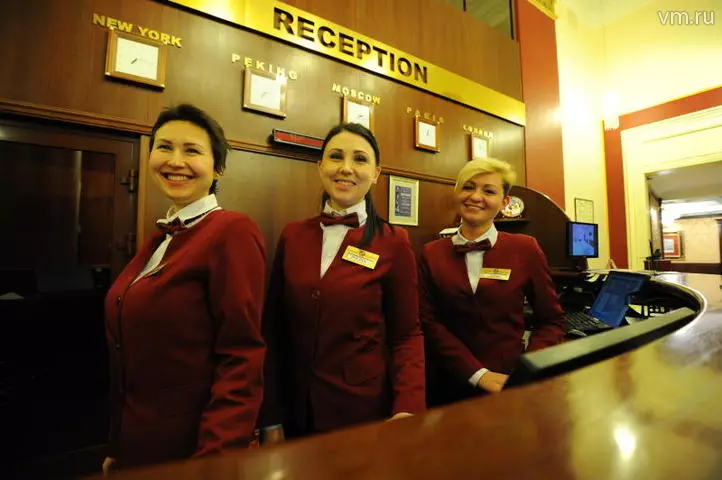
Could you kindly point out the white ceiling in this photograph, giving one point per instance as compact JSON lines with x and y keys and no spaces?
{"x":687,"y":183}
{"x":598,"y":13}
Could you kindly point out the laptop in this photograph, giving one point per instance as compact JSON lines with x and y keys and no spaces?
{"x":610,"y":306}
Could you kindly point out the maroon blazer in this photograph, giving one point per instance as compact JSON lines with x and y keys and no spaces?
{"x":185,"y":344}
{"x":345,"y":348}
{"x":467,"y":331}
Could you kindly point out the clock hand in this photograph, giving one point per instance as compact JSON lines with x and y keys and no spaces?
{"x":135,"y":60}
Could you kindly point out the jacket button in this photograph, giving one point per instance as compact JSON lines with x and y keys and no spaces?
{"x":315,"y":294}
{"x":117,"y":346}
{"x":117,"y":300}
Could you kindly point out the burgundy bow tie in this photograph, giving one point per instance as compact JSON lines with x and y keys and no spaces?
{"x":473,"y":246}
{"x":177,"y":224}
{"x":350,"y":220}
{"x":171,"y":227}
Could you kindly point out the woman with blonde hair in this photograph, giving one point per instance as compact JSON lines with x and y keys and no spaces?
{"x":472,"y":288}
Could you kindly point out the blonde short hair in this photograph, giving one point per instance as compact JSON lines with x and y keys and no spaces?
{"x":486,"y":165}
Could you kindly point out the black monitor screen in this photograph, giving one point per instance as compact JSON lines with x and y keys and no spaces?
{"x":583,"y":240}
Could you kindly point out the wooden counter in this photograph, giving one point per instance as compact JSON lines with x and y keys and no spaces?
{"x":652,"y":413}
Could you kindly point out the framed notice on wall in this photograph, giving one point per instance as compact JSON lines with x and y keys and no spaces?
{"x":403,"y":201}
{"x":672,"y":245}
{"x":583,"y":210}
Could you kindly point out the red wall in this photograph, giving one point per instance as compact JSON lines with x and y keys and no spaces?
{"x":540,"y":85}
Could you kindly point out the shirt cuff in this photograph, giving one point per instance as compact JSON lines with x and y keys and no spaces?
{"x":272,"y":427}
{"x":474,"y":379}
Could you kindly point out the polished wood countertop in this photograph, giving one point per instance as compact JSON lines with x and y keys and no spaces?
{"x":654,"y":412}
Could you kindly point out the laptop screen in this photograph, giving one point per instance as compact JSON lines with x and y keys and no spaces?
{"x":611,"y":304}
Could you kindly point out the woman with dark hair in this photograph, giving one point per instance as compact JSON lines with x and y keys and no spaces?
{"x":341,"y":321}
{"x":183,"y":318}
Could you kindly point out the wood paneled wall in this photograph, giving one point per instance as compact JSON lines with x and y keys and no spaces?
{"x":57,"y":61}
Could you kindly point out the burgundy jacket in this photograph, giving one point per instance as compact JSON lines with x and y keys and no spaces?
{"x":467,"y":331}
{"x":185,"y":344}
{"x":345,"y":348}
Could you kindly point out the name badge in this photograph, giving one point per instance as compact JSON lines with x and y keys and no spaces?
{"x":360,"y":257}
{"x":495,"y":273}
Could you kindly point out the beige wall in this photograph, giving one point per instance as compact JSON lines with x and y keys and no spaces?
{"x":650,"y":63}
{"x":700,"y":240}
{"x":580,"y":52}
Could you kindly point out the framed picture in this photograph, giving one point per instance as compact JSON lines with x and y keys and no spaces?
{"x":426,"y":134}
{"x":264,"y":92}
{"x":583,"y":210}
{"x":403,"y":201}
{"x":135,"y":58}
{"x":357,"y":111}
{"x":479,"y":147}
{"x":672,"y":245}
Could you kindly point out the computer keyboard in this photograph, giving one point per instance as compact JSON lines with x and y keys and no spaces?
{"x":584,"y":322}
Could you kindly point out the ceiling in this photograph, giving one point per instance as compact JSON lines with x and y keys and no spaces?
{"x":598,"y":13}
{"x":689,"y":188}
{"x":688,"y":182}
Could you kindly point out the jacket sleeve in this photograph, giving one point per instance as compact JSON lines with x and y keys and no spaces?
{"x":548,"y":314}
{"x":274,"y":329}
{"x":235,"y":291}
{"x":451,"y":352}
{"x":403,"y":333}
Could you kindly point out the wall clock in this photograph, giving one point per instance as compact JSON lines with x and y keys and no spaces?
{"x":426,"y":134}
{"x":135,"y":58}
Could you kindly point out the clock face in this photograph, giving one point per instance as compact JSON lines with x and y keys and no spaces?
{"x":359,"y":113}
{"x":479,"y":148}
{"x":136,"y":58}
{"x":265,"y":92}
{"x":427,"y":134}
{"x":514,"y":208}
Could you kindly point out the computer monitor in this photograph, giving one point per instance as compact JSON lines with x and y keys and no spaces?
{"x":582,"y":240}
{"x":612,"y":301}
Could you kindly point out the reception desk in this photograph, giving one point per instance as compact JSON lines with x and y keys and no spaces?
{"x":652,"y":412}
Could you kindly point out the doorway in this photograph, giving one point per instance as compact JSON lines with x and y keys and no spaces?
{"x":68,"y":208}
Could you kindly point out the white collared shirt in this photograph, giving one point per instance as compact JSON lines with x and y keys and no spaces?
{"x":200,"y":208}
{"x":475,"y":259}
{"x":474,"y":264}
{"x":333,"y":235}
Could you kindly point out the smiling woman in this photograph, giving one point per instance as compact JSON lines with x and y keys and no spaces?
{"x":472,"y":291}
{"x":183,"y":318}
{"x":342,"y":305}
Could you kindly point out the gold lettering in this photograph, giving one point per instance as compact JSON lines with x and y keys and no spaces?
{"x":125,"y":27}
{"x":98,"y":19}
{"x":377,"y":100}
{"x":417,"y":113}
{"x":248,"y":62}
{"x":176,"y":41}
{"x":111,"y":23}
{"x":292,"y":75}
{"x":426,"y":116}
{"x":235,"y":57}
{"x":368,"y":98}
{"x":260,"y":65}
{"x":408,"y":110}
{"x":353,"y":93}
{"x":153,"y":35}
{"x":143,"y":31}
{"x":280,"y":71}
{"x":270,"y":69}
{"x":336,"y":88}
{"x":441,"y":119}
{"x":165,"y":38}
{"x":345,"y":91}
